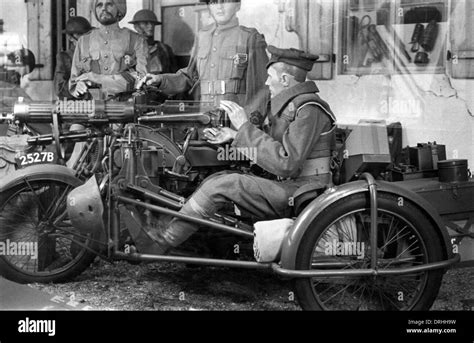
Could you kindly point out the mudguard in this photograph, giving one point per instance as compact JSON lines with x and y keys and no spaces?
{"x":54,"y":172}
{"x":85,"y":207}
{"x":332,"y":195}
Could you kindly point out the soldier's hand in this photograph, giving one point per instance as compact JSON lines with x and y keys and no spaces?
{"x":90,"y":78}
{"x":220,"y":136}
{"x":82,"y":87}
{"x":150,"y":80}
{"x":236,"y":113}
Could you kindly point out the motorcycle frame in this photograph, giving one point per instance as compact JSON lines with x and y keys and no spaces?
{"x":136,"y":181}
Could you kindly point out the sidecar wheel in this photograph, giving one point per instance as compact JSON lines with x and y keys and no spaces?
{"x":341,"y":235}
{"x":37,"y":234}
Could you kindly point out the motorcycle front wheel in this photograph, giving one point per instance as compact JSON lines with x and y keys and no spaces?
{"x":340,"y":238}
{"x":39,"y":243}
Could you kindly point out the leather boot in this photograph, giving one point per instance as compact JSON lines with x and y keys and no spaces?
{"x":179,"y":230}
{"x":147,"y":240}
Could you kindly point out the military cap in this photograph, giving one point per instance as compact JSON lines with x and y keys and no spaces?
{"x":294,"y":57}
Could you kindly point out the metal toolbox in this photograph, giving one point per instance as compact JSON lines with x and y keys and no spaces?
{"x":453,"y":171}
{"x":455,"y":200}
{"x":425,"y":156}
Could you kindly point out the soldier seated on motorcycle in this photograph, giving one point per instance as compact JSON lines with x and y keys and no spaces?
{"x":296,"y":147}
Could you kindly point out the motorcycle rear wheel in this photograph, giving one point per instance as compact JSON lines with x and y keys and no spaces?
{"x":33,"y":218}
{"x":341,"y":234}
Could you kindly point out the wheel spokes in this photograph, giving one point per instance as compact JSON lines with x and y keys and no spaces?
{"x":32,"y":215}
{"x":398,"y":246}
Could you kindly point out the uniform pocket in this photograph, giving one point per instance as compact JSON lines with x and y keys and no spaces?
{"x":86,"y":61}
{"x":233,"y":63}
{"x":202,"y":59}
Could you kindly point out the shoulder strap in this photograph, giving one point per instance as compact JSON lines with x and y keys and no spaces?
{"x":86,"y":43}
{"x":325,"y":110}
{"x":133,"y":38}
{"x":242,"y":45}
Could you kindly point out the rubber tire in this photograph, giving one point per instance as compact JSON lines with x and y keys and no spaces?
{"x":389,"y":202}
{"x":13,"y":274}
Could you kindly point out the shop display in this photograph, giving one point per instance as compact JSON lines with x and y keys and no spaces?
{"x":387,"y":38}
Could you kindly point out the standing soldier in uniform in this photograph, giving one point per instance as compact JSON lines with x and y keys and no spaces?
{"x":296,"y":148}
{"x":227,"y":62}
{"x":160,"y":56}
{"x":112,"y":57}
{"x":75,"y":28}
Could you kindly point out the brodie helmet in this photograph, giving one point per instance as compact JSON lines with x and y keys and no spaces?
{"x":22,"y":58}
{"x":145,"y":16}
{"x":78,"y":25}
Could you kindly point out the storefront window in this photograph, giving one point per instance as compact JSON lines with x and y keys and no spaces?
{"x":13,"y":30}
{"x":394,"y":37}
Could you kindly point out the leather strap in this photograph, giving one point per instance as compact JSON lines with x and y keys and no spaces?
{"x":56,"y":134}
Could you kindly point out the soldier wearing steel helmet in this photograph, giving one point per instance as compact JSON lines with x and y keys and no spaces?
{"x":109,"y":56}
{"x":227,"y":61}
{"x":296,"y":147}
{"x":75,"y":28}
{"x":161,"y":58}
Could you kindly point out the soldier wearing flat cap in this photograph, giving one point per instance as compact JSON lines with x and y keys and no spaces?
{"x":227,"y":62}
{"x":295,"y":147}
{"x":109,"y":56}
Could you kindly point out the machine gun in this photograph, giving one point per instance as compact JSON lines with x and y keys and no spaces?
{"x":102,"y":113}
{"x":95,"y":112}
{"x":162,"y":152}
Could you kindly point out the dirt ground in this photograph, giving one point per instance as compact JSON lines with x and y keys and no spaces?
{"x":175,"y":287}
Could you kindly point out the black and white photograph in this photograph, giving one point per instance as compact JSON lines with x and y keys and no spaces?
{"x":204,"y":156}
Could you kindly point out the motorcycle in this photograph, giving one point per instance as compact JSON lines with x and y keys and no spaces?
{"x":351,"y":247}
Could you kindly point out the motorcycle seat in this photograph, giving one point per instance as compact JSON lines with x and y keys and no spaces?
{"x":305,"y":194}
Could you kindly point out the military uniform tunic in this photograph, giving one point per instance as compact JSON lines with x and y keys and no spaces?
{"x":227,"y":63}
{"x":62,"y":74}
{"x":301,"y":130}
{"x":116,"y":55}
{"x":161,"y":58}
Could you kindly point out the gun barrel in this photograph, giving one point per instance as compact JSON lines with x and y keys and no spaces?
{"x":201,"y":118}
{"x":79,"y":111}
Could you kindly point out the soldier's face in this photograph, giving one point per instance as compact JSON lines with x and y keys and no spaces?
{"x":146,"y":28}
{"x":223,"y":12}
{"x":73,"y":38}
{"x":106,"y":11}
{"x":274,"y":81}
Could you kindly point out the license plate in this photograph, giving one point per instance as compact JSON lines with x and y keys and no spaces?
{"x":25,"y":160}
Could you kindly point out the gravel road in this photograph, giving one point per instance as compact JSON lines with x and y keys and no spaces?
{"x":176,"y":287}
